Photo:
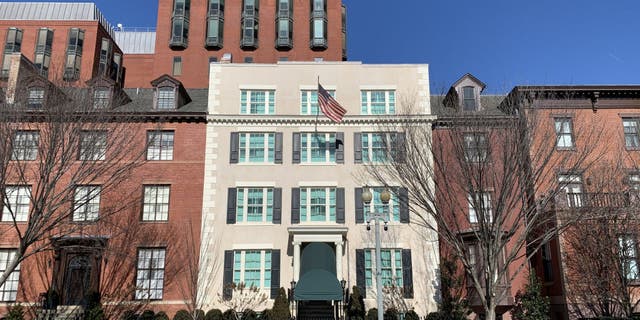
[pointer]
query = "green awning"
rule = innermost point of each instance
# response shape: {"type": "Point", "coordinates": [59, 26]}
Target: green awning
{"type": "Point", "coordinates": [318, 279]}
{"type": "Point", "coordinates": [318, 284]}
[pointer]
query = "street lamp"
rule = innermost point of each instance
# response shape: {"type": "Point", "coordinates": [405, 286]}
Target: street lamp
{"type": "Point", "coordinates": [376, 217]}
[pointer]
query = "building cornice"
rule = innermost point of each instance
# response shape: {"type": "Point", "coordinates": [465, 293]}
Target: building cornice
{"type": "Point", "coordinates": [288, 120]}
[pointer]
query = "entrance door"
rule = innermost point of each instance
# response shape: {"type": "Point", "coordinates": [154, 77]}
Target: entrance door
{"type": "Point", "coordinates": [77, 281]}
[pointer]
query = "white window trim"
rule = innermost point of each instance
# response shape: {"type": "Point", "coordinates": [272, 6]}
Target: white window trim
{"type": "Point", "coordinates": [12, 199]}
{"type": "Point", "coordinates": [157, 212]}
{"type": "Point", "coordinates": [80, 210]}
{"type": "Point", "coordinates": [386, 102]}
{"type": "Point", "coordinates": [389, 207]}
{"type": "Point", "coordinates": [327, 205]}
{"type": "Point", "coordinates": [99, 147]}
{"type": "Point", "coordinates": [267, 96]}
{"type": "Point", "coordinates": [263, 256]}
{"type": "Point", "coordinates": [486, 203]}
{"type": "Point", "coordinates": [14, 276]}
{"type": "Point", "coordinates": [372, 253]}
{"type": "Point", "coordinates": [245, 204]}
{"type": "Point", "coordinates": [247, 148]}
{"type": "Point", "coordinates": [327, 152]}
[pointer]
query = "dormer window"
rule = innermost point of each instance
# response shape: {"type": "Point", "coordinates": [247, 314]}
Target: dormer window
{"type": "Point", "coordinates": [469, 99]}
{"type": "Point", "coordinates": [166, 98]}
{"type": "Point", "coordinates": [36, 97]}
{"type": "Point", "coordinates": [101, 97]}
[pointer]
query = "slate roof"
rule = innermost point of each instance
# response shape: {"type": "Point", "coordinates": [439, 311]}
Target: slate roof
{"type": "Point", "coordinates": [489, 104]}
{"type": "Point", "coordinates": [142, 101]}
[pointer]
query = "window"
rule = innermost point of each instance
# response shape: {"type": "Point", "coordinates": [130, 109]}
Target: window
{"type": "Point", "coordinates": [318, 24]}
{"type": "Point", "coordinates": [571, 184]}
{"type": "Point", "coordinates": [160, 145]}
{"type": "Point", "coordinates": [254, 205]}
{"type": "Point", "coordinates": [317, 147]}
{"type": "Point", "coordinates": [9, 289]}
{"type": "Point", "coordinates": [391, 210]}
{"type": "Point", "coordinates": [391, 267]}
{"type": "Point", "coordinates": [378, 147]}
{"type": "Point", "coordinates": [378, 102]}
{"type": "Point", "coordinates": [74, 54]}
{"type": "Point", "coordinates": [116, 72]}
{"type": "Point", "coordinates": [257, 101]}
{"type": "Point", "coordinates": [317, 204]}
{"type": "Point", "coordinates": [257, 147]}
{"type": "Point", "coordinates": [480, 206]}
{"type": "Point", "coordinates": [249, 24]}
{"type": "Point", "coordinates": [634, 181]}
{"type": "Point", "coordinates": [86, 203]}
{"type": "Point", "coordinates": [25, 145]}
{"type": "Point", "coordinates": [248, 59]}
{"type": "Point", "coordinates": [42, 57]}
{"type": "Point", "coordinates": [156, 203]}
{"type": "Point", "coordinates": [564, 135]}
{"type": "Point", "coordinates": [16, 206]}
{"type": "Point", "coordinates": [93, 145]}
{"type": "Point", "coordinates": [215, 24]}
{"type": "Point", "coordinates": [475, 147]}
{"type": "Point", "coordinates": [469, 99]}
{"type": "Point", "coordinates": [12, 44]}
{"type": "Point", "coordinates": [213, 59]}
{"type": "Point", "coordinates": [629, 256]}
{"type": "Point", "coordinates": [631, 134]}
{"type": "Point", "coordinates": [101, 98]}
{"type": "Point", "coordinates": [177, 66]}
{"type": "Point", "coordinates": [252, 267]}
{"type": "Point", "coordinates": [36, 97]}
{"type": "Point", "coordinates": [309, 101]}
{"type": "Point", "coordinates": [150, 273]}
{"type": "Point", "coordinates": [166, 98]}
{"type": "Point", "coordinates": [547, 267]}
{"type": "Point", "coordinates": [284, 24]}
{"type": "Point", "coordinates": [106, 51]}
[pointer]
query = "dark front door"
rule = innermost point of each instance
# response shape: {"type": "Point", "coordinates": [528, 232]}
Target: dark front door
{"type": "Point", "coordinates": [77, 280]}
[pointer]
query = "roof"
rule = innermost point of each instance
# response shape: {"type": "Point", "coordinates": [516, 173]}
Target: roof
{"type": "Point", "coordinates": [489, 104]}
{"type": "Point", "coordinates": [76, 11]}
{"type": "Point", "coordinates": [136, 42]}
{"type": "Point", "coordinates": [469, 76]}
{"type": "Point", "coordinates": [142, 101]}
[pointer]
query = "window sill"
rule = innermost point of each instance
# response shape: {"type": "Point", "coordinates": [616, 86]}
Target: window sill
{"type": "Point", "coordinates": [155, 221]}
{"type": "Point", "coordinates": [257, 164]}
{"type": "Point", "coordinates": [566, 148]}
{"type": "Point", "coordinates": [11, 222]}
{"type": "Point", "coordinates": [253, 224]}
{"type": "Point", "coordinates": [318, 163]}
{"type": "Point", "coordinates": [632, 148]}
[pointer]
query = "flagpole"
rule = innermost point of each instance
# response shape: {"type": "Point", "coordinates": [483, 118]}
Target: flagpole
{"type": "Point", "coordinates": [317, 104]}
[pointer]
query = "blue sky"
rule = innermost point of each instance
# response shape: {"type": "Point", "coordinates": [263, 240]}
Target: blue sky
{"type": "Point", "coordinates": [502, 42]}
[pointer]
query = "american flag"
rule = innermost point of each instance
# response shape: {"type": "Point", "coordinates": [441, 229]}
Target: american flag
{"type": "Point", "coordinates": [329, 106]}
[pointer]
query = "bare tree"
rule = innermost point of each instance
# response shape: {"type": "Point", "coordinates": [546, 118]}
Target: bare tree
{"type": "Point", "coordinates": [477, 179]}
{"type": "Point", "coordinates": [600, 253]}
{"type": "Point", "coordinates": [60, 150]}
{"type": "Point", "coordinates": [243, 298]}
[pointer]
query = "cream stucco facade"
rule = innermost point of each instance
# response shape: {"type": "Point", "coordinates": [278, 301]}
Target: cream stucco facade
{"type": "Point", "coordinates": [287, 81]}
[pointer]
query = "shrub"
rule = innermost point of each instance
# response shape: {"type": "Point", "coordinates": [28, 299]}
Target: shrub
{"type": "Point", "coordinates": [229, 315]}
{"type": "Point", "coordinates": [531, 304]}
{"type": "Point", "coordinates": [147, 315]}
{"type": "Point", "coordinates": [391, 314]}
{"type": "Point", "coordinates": [16, 312]}
{"type": "Point", "coordinates": [213, 314]}
{"type": "Point", "coordinates": [182, 315]}
{"type": "Point", "coordinates": [355, 307]}
{"type": "Point", "coordinates": [95, 313]}
{"type": "Point", "coordinates": [280, 309]}
{"type": "Point", "coordinates": [266, 315]}
{"type": "Point", "coordinates": [199, 315]}
{"type": "Point", "coordinates": [129, 315]}
{"type": "Point", "coordinates": [372, 314]}
{"type": "Point", "coordinates": [249, 314]}
{"type": "Point", "coordinates": [411, 315]}
{"type": "Point", "coordinates": [161, 315]}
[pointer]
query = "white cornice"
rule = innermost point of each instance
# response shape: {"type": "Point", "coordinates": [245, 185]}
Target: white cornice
{"type": "Point", "coordinates": [288, 120]}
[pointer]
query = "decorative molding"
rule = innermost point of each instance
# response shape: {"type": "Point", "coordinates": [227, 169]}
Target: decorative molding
{"type": "Point", "coordinates": [288, 120]}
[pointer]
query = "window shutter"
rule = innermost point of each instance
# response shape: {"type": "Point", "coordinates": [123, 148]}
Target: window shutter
{"type": "Point", "coordinates": [231, 206]}
{"type": "Point", "coordinates": [399, 147]}
{"type": "Point", "coordinates": [360, 278]}
{"type": "Point", "coordinates": [275, 273]}
{"type": "Point", "coordinates": [278, 148]}
{"type": "Point", "coordinates": [295, 205]}
{"type": "Point", "coordinates": [277, 206]}
{"type": "Point", "coordinates": [357, 147]}
{"type": "Point", "coordinates": [403, 201]}
{"type": "Point", "coordinates": [340, 205]}
{"type": "Point", "coordinates": [359, 206]}
{"type": "Point", "coordinates": [227, 278]}
{"type": "Point", "coordinates": [407, 276]}
{"type": "Point", "coordinates": [339, 147]}
{"type": "Point", "coordinates": [235, 145]}
{"type": "Point", "coordinates": [296, 148]}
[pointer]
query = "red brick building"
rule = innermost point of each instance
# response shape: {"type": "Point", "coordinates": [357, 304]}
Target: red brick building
{"type": "Point", "coordinates": [67, 42]}
{"type": "Point", "coordinates": [190, 34]}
